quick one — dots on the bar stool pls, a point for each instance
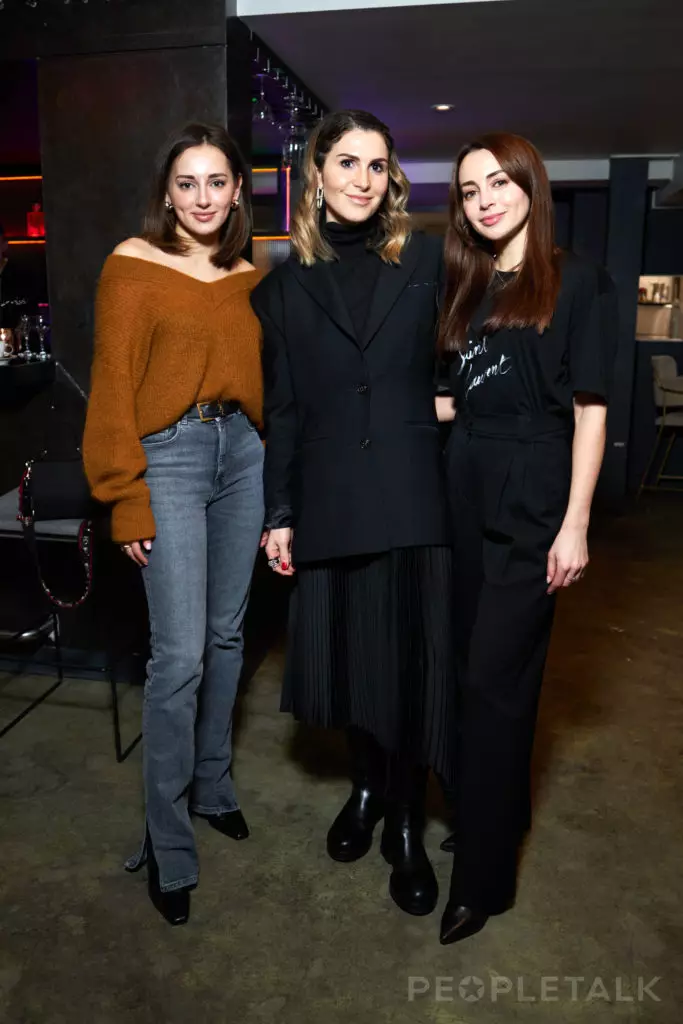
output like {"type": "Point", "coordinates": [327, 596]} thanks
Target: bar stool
{"type": "Point", "coordinates": [668, 395]}
{"type": "Point", "coordinates": [31, 628]}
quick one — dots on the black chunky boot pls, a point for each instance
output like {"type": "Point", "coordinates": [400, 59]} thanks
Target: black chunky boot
{"type": "Point", "coordinates": [412, 884]}
{"type": "Point", "coordinates": [350, 836]}
{"type": "Point", "coordinates": [449, 844]}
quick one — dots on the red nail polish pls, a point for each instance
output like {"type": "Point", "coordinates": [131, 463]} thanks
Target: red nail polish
{"type": "Point", "coordinates": [284, 565]}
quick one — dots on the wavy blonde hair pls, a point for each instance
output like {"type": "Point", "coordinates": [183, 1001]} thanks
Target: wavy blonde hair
{"type": "Point", "coordinates": [307, 239]}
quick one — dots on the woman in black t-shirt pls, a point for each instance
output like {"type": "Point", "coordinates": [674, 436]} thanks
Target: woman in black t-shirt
{"type": "Point", "coordinates": [529, 334]}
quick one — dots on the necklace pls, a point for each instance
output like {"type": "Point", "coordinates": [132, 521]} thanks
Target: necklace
{"type": "Point", "coordinates": [512, 270]}
{"type": "Point", "coordinates": [502, 277]}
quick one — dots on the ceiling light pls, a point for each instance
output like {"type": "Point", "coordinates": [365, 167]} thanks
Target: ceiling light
{"type": "Point", "coordinates": [442, 108]}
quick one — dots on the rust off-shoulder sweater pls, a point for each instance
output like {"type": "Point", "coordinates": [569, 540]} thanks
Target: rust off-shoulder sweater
{"type": "Point", "coordinates": [163, 341]}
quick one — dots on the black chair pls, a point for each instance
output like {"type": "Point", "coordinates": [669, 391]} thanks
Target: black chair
{"type": "Point", "coordinates": [31, 622]}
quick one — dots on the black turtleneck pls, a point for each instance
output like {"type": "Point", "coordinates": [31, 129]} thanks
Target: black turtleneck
{"type": "Point", "coordinates": [356, 267]}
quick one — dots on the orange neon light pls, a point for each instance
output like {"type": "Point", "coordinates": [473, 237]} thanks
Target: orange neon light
{"type": "Point", "coordinates": [23, 177]}
{"type": "Point", "coordinates": [39, 177]}
{"type": "Point", "coordinates": [26, 241]}
{"type": "Point", "coordinates": [270, 238]}
{"type": "Point", "coordinates": [288, 197]}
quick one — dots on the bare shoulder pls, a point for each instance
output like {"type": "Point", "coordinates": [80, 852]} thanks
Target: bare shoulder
{"type": "Point", "coordinates": [243, 267]}
{"type": "Point", "coordinates": [136, 247]}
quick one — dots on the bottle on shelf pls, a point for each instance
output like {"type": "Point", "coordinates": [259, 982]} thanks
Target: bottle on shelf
{"type": "Point", "coordinates": [35, 222]}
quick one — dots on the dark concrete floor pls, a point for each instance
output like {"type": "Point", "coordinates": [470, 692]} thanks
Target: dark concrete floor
{"type": "Point", "coordinates": [279, 933]}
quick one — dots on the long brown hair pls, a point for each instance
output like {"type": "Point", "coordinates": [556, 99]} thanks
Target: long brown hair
{"type": "Point", "coordinates": [159, 227]}
{"type": "Point", "coordinates": [307, 239]}
{"type": "Point", "coordinates": [530, 299]}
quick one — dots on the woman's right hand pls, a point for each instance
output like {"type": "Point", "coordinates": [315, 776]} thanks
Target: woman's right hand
{"type": "Point", "coordinates": [279, 551]}
{"type": "Point", "coordinates": [136, 551]}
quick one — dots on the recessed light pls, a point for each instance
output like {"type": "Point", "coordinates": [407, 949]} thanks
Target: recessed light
{"type": "Point", "coordinates": [442, 108]}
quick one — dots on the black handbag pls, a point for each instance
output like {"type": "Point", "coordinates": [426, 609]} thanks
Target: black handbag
{"type": "Point", "coordinates": [57, 489]}
{"type": "Point", "coordinates": [51, 490]}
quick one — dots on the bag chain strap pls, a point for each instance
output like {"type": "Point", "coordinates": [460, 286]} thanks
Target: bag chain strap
{"type": "Point", "coordinates": [26, 517]}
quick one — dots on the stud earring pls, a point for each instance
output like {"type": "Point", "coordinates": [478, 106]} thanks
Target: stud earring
{"type": "Point", "coordinates": [319, 197]}
{"type": "Point", "coordinates": [168, 205]}
{"type": "Point", "coordinates": [234, 205]}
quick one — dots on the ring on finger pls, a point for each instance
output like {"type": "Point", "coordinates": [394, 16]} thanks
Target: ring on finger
{"type": "Point", "coordinates": [273, 563]}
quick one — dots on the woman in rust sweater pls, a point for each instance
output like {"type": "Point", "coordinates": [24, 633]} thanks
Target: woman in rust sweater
{"type": "Point", "coordinates": [171, 443]}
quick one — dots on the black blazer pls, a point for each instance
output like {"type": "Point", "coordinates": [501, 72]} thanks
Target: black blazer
{"type": "Point", "coordinates": [353, 460]}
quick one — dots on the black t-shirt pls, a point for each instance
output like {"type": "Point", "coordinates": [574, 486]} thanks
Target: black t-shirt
{"type": "Point", "coordinates": [521, 372]}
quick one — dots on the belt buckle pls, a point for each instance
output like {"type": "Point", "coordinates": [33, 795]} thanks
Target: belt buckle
{"type": "Point", "coordinates": [202, 405]}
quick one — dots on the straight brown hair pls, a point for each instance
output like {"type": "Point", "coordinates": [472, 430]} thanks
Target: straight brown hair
{"type": "Point", "coordinates": [159, 226]}
{"type": "Point", "coordinates": [530, 299]}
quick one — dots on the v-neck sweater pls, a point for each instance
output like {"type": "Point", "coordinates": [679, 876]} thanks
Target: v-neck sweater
{"type": "Point", "coordinates": [163, 341]}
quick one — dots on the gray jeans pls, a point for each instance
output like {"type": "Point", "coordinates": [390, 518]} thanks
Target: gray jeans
{"type": "Point", "coordinates": [205, 481]}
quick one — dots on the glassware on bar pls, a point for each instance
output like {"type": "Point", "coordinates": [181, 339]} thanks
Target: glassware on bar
{"type": "Point", "coordinates": [23, 332]}
{"type": "Point", "coordinates": [42, 325]}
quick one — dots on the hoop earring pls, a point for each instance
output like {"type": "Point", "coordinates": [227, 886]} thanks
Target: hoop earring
{"type": "Point", "coordinates": [319, 197]}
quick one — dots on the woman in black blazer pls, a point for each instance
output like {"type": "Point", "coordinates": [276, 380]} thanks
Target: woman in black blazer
{"type": "Point", "coordinates": [355, 490]}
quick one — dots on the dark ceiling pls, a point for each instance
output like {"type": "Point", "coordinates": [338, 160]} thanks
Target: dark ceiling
{"type": "Point", "coordinates": [581, 78]}
{"type": "Point", "coordinates": [19, 136]}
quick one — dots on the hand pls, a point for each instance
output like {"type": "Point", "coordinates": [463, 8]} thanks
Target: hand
{"type": "Point", "coordinates": [568, 558]}
{"type": "Point", "coordinates": [279, 551]}
{"type": "Point", "coordinates": [136, 551]}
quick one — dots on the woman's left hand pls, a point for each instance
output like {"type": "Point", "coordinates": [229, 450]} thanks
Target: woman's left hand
{"type": "Point", "coordinates": [568, 558]}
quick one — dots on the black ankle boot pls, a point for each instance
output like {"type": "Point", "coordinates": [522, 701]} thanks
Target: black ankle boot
{"type": "Point", "coordinates": [174, 906]}
{"type": "Point", "coordinates": [350, 835]}
{"type": "Point", "coordinates": [450, 796]}
{"type": "Point", "coordinates": [459, 923]}
{"type": "Point", "coordinates": [412, 884]}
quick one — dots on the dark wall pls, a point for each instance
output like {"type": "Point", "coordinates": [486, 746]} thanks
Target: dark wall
{"type": "Point", "coordinates": [53, 27]}
{"type": "Point", "coordinates": [102, 120]}
{"type": "Point", "coordinates": [624, 258]}
{"type": "Point", "coordinates": [19, 142]}
{"type": "Point", "coordinates": [582, 225]}
{"type": "Point", "coordinates": [581, 220]}
{"type": "Point", "coordinates": [589, 223]}
{"type": "Point", "coordinates": [664, 242]}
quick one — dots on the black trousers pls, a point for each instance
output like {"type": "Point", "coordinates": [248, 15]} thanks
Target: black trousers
{"type": "Point", "coordinates": [508, 486]}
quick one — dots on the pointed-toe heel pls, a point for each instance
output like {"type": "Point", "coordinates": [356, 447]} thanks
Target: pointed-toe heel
{"type": "Point", "coordinates": [459, 922]}
{"type": "Point", "coordinates": [231, 824]}
{"type": "Point", "coordinates": [174, 906]}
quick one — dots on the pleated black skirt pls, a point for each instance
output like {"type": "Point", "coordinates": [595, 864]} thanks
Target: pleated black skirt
{"type": "Point", "coordinates": [370, 645]}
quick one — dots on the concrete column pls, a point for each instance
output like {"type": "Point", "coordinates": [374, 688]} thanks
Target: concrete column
{"type": "Point", "coordinates": [624, 256]}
